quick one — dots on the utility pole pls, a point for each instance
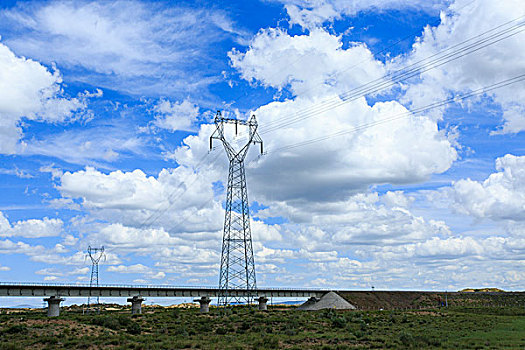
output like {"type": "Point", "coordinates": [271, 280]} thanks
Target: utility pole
{"type": "Point", "coordinates": [95, 255]}
{"type": "Point", "coordinates": [237, 263]}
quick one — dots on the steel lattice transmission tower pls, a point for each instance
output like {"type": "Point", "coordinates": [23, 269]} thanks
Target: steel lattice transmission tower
{"type": "Point", "coordinates": [95, 254]}
{"type": "Point", "coordinates": [237, 263]}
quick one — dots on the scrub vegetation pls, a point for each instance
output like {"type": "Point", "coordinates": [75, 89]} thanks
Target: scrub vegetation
{"type": "Point", "coordinates": [455, 327]}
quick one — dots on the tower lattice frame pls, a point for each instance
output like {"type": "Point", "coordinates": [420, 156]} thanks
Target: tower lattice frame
{"type": "Point", "coordinates": [95, 254]}
{"type": "Point", "coordinates": [237, 262]}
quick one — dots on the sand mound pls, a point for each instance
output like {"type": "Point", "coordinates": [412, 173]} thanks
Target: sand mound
{"type": "Point", "coordinates": [330, 300]}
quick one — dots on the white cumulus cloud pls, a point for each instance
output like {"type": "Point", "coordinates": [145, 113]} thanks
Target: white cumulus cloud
{"type": "Point", "coordinates": [29, 90]}
{"type": "Point", "coordinates": [32, 228]}
{"type": "Point", "coordinates": [174, 116]}
{"type": "Point", "coordinates": [505, 59]}
{"type": "Point", "coordinates": [501, 196]}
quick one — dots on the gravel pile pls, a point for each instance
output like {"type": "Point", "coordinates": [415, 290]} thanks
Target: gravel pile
{"type": "Point", "coordinates": [330, 300]}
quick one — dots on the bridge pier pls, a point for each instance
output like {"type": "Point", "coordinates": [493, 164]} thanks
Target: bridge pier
{"type": "Point", "coordinates": [205, 304]}
{"type": "Point", "coordinates": [263, 303]}
{"type": "Point", "coordinates": [53, 306]}
{"type": "Point", "coordinates": [136, 304]}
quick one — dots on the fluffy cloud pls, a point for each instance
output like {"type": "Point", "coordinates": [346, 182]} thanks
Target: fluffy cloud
{"type": "Point", "coordinates": [462, 21]}
{"type": "Point", "coordinates": [127, 45]}
{"type": "Point", "coordinates": [334, 228]}
{"type": "Point", "coordinates": [39, 253]}
{"type": "Point", "coordinates": [32, 228]}
{"type": "Point", "coordinates": [177, 199]}
{"type": "Point", "coordinates": [163, 222]}
{"type": "Point", "coordinates": [128, 238]}
{"type": "Point", "coordinates": [405, 150]}
{"type": "Point", "coordinates": [397, 199]}
{"type": "Point", "coordinates": [313, 189]}
{"type": "Point", "coordinates": [450, 248]}
{"type": "Point", "coordinates": [317, 230]}
{"type": "Point", "coordinates": [365, 240]}
{"type": "Point", "coordinates": [434, 264]}
{"type": "Point", "coordinates": [29, 90]}
{"type": "Point", "coordinates": [311, 65]}
{"type": "Point", "coordinates": [146, 271]}
{"type": "Point", "coordinates": [55, 273]}
{"type": "Point", "coordinates": [174, 116]}
{"type": "Point", "coordinates": [137, 268]}
{"type": "Point", "coordinates": [359, 220]}
{"type": "Point", "coordinates": [499, 197]}
{"type": "Point", "coordinates": [311, 14]}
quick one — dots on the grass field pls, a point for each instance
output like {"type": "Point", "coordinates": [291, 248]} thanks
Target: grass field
{"type": "Point", "coordinates": [245, 328]}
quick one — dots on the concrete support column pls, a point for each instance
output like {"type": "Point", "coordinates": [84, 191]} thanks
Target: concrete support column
{"type": "Point", "coordinates": [205, 304]}
{"type": "Point", "coordinates": [136, 304]}
{"type": "Point", "coordinates": [53, 306]}
{"type": "Point", "coordinates": [263, 303]}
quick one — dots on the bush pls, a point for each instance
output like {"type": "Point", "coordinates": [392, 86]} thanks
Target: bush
{"type": "Point", "coordinates": [267, 343]}
{"type": "Point", "coordinates": [221, 330]}
{"type": "Point", "coordinates": [10, 346]}
{"type": "Point", "coordinates": [124, 320]}
{"type": "Point", "coordinates": [107, 322]}
{"type": "Point", "coordinates": [290, 332]}
{"type": "Point", "coordinates": [16, 329]}
{"type": "Point", "coordinates": [134, 328]}
{"type": "Point", "coordinates": [338, 322]}
{"type": "Point", "coordinates": [406, 338]}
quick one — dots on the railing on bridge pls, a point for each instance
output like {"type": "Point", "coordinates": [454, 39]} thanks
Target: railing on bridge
{"type": "Point", "coordinates": [22, 289]}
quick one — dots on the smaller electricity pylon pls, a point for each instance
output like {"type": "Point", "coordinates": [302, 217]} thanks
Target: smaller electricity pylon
{"type": "Point", "coordinates": [95, 254]}
{"type": "Point", "coordinates": [237, 263]}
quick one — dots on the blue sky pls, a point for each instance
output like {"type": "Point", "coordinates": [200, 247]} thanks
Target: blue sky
{"type": "Point", "coordinates": [106, 109]}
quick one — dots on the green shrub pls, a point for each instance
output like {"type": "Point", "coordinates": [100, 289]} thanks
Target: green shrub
{"type": "Point", "coordinates": [124, 321]}
{"type": "Point", "coordinates": [106, 321]}
{"type": "Point", "coordinates": [10, 346]}
{"type": "Point", "coordinates": [290, 332]}
{"type": "Point", "coordinates": [134, 328]}
{"type": "Point", "coordinates": [16, 329]}
{"type": "Point", "coordinates": [338, 322]}
{"type": "Point", "coordinates": [267, 343]}
{"type": "Point", "coordinates": [406, 338]}
{"type": "Point", "coordinates": [221, 330]}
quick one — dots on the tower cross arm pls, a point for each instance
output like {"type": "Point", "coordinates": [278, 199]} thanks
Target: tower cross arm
{"type": "Point", "coordinates": [218, 134]}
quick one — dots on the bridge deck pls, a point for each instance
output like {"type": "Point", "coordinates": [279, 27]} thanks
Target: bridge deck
{"type": "Point", "coordinates": [78, 290]}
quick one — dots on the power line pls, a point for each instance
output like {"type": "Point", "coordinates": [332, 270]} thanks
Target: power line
{"type": "Point", "coordinates": [425, 108]}
{"type": "Point", "coordinates": [385, 48]}
{"type": "Point", "coordinates": [391, 79]}
{"type": "Point", "coordinates": [369, 88]}
{"type": "Point", "coordinates": [414, 65]}
{"type": "Point", "coordinates": [375, 53]}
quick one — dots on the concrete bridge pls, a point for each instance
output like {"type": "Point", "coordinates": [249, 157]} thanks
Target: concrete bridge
{"type": "Point", "coordinates": [136, 293]}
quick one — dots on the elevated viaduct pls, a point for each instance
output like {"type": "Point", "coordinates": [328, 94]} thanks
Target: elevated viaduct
{"type": "Point", "coordinates": [54, 293]}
